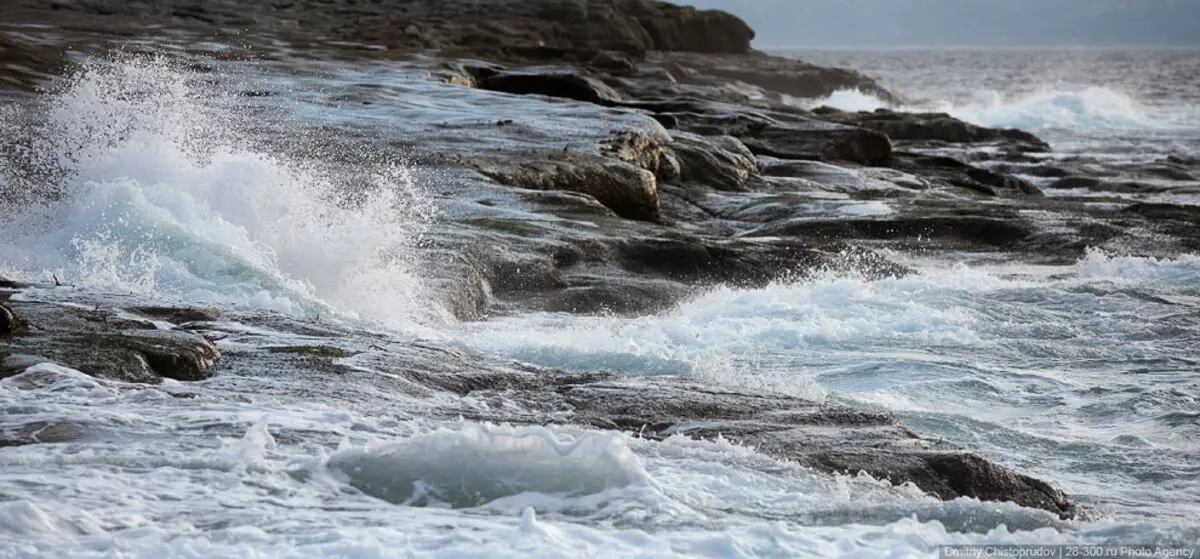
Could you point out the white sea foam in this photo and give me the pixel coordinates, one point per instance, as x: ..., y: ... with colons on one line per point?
x: 1085, y: 110
x: 143, y: 182
x: 476, y: 465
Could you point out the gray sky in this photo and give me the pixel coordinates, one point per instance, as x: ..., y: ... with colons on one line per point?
x: 847, y: 23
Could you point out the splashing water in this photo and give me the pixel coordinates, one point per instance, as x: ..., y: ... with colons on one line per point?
x: 136, y: 176
x: 1093, y: 108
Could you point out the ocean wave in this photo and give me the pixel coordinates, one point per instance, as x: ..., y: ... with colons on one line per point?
x: 1081, y: 110
x: 478, y: 464
x: 134, y: 177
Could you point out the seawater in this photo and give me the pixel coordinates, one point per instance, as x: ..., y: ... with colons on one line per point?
x: 1083, y: 374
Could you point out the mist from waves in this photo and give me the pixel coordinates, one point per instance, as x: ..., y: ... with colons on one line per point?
x: 138, y: 175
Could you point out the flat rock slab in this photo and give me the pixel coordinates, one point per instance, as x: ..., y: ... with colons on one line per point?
x: 91, y: 342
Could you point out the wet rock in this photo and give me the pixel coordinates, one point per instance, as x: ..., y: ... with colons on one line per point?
x: 934, y: 126
x: 685, y: 74
x: 11, y: 322
x: 913, y: 231
x: 24, y: 65
x: 630, y: 191
x: 86, y: 341
x: 1074, y: 182
x: 42, y: 432
x: 825, y: 437
x: 1182, y: 160
x: 554, y: 84
x: 133, y: 356
x: 179, y: 315
x: 176, y: 355
x: 616, y: 295
x: 721, y: 162
x: 815, y: 140
x: 948, y: 171
x: 1108, y: 185
x: 614, y: 64
x: 1167, y: 171
x: 6, y: 283
x: 644, y: 148
x: 950, y: 475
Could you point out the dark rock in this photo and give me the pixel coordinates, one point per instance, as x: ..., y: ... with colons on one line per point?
x: 1182, y: 160
x: 176, y: 355
x: 90, y: 342
x: 949, y: 171
x: 6, y: 283
x: 705, y: 75
x: 614, y: 64
x: 133, y: 356
x: 558, y: 84
x: 934, y: 126
x: 179, y: 315
x: 1168, y: 171
x: 630, y: 191
x: 950, y: 475
x: 1166, y: 212
x: 721, y: 162
x: 827, y: 438
x: 820, y: 141
x: 954, y: 231
x: 1106, y: 185
x: 643, y: 148
x: 42, y: 432
x: 24, y: 65
x: 616, y: 295
x: 11, y: 322
x: 1074, y: 182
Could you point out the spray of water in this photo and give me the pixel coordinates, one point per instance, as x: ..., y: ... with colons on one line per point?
x: 136, y: 175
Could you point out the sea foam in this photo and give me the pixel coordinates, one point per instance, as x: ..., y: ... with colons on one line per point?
x: 136, y: 176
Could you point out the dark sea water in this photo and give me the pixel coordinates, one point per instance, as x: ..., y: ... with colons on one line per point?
x: 1086, y: 375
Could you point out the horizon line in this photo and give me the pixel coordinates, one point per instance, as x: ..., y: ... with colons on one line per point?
x: 983, y: 47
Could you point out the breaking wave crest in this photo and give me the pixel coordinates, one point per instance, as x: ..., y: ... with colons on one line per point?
x: 1093, y: 109
x: 138, y: 176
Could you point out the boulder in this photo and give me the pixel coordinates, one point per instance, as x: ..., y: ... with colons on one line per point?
x: 933, y: 126
x: 563, y: 84
x: 720, y: 162
x: 820, y: 141
x: 628, y: 190
x: 827, y: 438
x: 951, y: 172
x: 11, y: 322
x: 100, y: 344
x: 775, y: 76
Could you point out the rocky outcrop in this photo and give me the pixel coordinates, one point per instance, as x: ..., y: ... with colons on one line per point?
x: 776, y: 77
x: 498, y: 28
x: 24, y: 64
x: 100, y: 344
x: 627, y: 190
x: 820, y: 141
x: 563, y: 84
x: 720, y: 162
x: 11, y: 322
x: 952, y: 172
x: 933, y: 127
x: 826, y: 438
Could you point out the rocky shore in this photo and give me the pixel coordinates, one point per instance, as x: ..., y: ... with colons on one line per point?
x: 702, y: 165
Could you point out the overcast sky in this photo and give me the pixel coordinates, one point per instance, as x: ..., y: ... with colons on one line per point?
x: 848, y: 23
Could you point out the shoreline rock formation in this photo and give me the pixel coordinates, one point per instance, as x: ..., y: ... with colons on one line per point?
x: 700, y: 167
